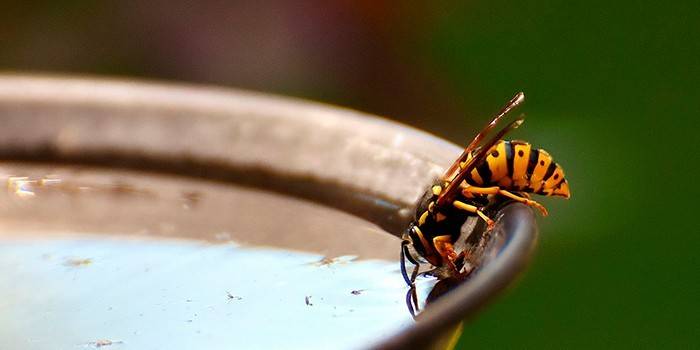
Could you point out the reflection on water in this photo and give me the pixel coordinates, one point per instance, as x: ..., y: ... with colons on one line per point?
x: 157, y: 294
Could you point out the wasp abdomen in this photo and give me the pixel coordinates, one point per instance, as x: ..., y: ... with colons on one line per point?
x: 517, y: 166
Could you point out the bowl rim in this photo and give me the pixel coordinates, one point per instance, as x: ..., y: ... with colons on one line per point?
x: 381, y: 151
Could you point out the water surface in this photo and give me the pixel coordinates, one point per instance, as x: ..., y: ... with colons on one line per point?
x: 156, y: 294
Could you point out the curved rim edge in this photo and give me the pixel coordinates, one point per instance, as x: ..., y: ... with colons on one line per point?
x: 517, y: 220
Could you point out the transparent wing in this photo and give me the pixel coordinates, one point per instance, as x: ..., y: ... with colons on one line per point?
x: 514, y: 102
x: 449, y: 193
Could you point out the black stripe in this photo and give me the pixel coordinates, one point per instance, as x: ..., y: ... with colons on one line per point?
x: 510, y: 155
x: 484, y: 172
x: 558, y: 184
x: 532, y: 163
x: 561, y: 179
x: 550, y: 171
x: 561, y: 183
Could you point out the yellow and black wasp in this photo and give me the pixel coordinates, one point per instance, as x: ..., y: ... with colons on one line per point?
x: 482, y: 176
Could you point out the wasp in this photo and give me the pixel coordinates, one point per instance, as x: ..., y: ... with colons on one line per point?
x: 483, y: 175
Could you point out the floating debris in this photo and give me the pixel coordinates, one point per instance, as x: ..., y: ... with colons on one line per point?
x: 76, y: 262
x: 233, y: 297
x: 326, y: 261
x: 104, y: 342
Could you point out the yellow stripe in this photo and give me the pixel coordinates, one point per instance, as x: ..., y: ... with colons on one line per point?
x: 563, y: 190
x: 477, y: 178
x: 428, y: 247
x: 475, y: 175
x: 540, y: 169
x: 422, y: 218
x: 520, y: 179
x: 556, y: 178
x: 498, y: 163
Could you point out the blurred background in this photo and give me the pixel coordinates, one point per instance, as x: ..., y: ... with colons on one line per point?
x: 612, y: 93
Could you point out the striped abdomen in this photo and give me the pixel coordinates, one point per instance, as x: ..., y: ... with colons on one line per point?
x: 516, y: 166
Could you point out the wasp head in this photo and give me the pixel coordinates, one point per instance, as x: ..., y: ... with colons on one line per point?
x: 428, y: 200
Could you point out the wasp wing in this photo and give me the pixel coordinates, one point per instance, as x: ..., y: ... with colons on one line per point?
x: 447, y: 195
x: 514, y: 102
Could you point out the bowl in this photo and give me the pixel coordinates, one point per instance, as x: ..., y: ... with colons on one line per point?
x: 149, y: 215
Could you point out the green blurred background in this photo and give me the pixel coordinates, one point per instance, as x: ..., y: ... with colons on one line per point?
x: 612, y: 92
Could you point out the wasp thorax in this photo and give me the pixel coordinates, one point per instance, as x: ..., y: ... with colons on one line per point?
x: 427, y: 201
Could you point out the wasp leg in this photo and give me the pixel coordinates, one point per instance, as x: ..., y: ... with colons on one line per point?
x: 405, y: 255
x: 466, y: 263
x: 414, y: 294
x: 498, y: 190
x: 411, y: 295
x: 473, y: 209
x: 411, y: 299
x: 444, y: 247
x: 431, y: 273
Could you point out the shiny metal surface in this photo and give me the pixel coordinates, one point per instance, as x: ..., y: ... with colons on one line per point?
x: 360, y: 164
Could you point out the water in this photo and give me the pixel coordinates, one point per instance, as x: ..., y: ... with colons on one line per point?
x: 98, y: 258
x: 137, y: 294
